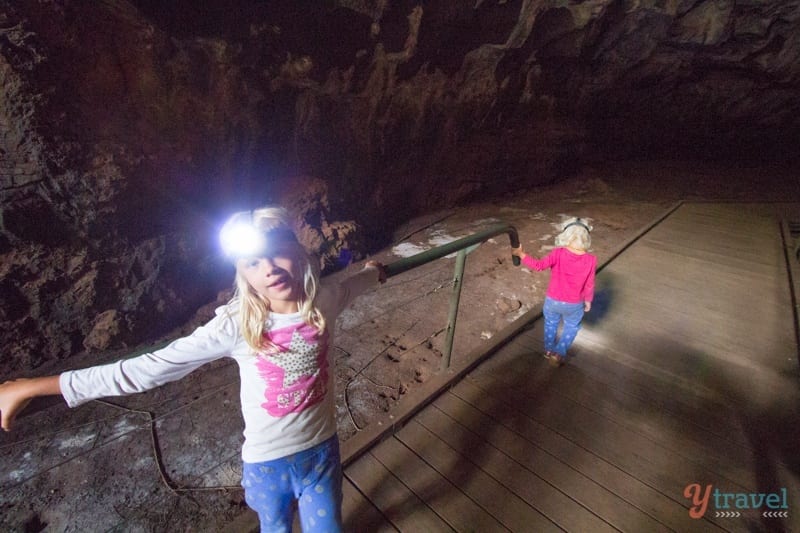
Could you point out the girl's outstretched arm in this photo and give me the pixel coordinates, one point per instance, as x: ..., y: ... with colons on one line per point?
x: 15, y: 395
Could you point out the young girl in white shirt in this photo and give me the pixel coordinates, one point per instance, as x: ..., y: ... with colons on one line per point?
x: 278, y: 327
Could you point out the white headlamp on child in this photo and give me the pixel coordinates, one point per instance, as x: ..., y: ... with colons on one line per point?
x: 240, y: 239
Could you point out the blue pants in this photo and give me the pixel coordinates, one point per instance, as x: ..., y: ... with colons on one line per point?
x: 554, y: 312
x: 312, y: 478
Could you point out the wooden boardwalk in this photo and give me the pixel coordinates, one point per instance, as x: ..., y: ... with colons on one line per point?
x: 686, y: 372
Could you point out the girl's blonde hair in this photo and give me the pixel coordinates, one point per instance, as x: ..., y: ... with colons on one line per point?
x: 253, y: 308
x: 575, y: 233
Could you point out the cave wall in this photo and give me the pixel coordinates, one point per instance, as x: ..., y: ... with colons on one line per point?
x: 128, y: 129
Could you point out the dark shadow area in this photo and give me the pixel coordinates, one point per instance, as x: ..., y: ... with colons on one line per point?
x: 603, y: 300
x: 772, y: 432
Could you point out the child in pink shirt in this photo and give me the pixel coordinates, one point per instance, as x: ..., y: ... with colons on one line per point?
x: 571, y: 289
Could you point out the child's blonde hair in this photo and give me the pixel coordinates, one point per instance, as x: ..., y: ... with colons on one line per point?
x: 254, y: 308
x: 575, y: 233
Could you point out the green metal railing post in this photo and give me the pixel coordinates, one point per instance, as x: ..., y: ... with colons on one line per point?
x: 460, y: 246
x: 458, y: 277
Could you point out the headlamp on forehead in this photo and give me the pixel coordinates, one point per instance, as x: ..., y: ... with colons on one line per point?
x: 263, y: 232
x: 240, y: 240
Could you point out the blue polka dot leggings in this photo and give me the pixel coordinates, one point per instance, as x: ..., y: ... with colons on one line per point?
x: 554, y: 312
x: 312, y: 478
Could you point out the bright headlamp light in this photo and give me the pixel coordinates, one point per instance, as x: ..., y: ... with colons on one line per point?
x: 242, y: 240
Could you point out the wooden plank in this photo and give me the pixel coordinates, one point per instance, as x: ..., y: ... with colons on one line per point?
x: 644, y: 417
x: 754, y: 351
x: 576, y: 504
x: 714, y: 233
x: 642, y: 421
x: 705, y: 410
x: 729, y: 260
x: 615, y: 360
x: 359, y: 513
x: 651, y: 259
x: 707, y: 303
x: 694, y: 387
x: 709, y: 319
x: 401, y: 507
x: 514, y: 510
x: 709, y: 313
x: 754, y: 356
x: 453, y: 506
x: 656, y: 268
x: 694, y: 398
x: 646, y: 459
x: 768, y: 432
x: 479, y: 409
x: 640, y: 273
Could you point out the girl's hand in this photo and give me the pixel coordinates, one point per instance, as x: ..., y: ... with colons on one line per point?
x: 381, y: 270
x: 13, y: 399
x: 16, y: 394
x: 518, y: 252
x: 587, y: 306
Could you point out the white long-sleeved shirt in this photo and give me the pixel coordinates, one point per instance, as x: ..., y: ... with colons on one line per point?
x: 287, y: 397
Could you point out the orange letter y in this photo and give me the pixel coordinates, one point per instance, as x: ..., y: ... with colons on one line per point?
x: 699, y: 504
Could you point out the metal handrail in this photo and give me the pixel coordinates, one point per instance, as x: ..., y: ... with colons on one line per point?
x: 460, y: 246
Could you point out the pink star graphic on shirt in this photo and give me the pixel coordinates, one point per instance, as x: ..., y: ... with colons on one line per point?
x: 296, y: 377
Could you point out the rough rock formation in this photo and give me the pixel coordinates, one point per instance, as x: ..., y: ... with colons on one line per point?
x: 129, y: 128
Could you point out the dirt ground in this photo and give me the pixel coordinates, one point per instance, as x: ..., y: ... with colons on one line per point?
x: 168, y: 460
